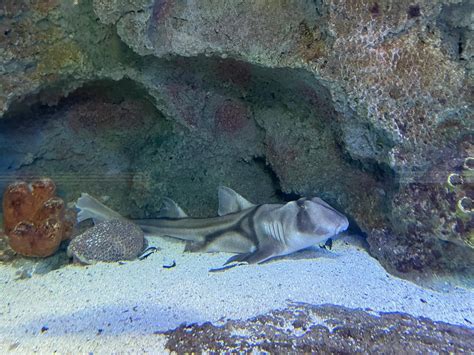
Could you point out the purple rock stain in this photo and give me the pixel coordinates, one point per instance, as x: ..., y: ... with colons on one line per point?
x: 183, y: 99
x: 161, y: 8
x: 231, y: 116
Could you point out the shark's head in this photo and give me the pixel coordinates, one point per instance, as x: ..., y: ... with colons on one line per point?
x: 316, y: 216
x: 311, y: 220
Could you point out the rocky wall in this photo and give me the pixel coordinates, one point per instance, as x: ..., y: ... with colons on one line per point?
x: 366, y: 104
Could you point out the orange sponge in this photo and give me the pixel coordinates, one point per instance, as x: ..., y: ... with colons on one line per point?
x: 34, y: 219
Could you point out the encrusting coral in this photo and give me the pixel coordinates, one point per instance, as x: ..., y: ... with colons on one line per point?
x: 35, y: 220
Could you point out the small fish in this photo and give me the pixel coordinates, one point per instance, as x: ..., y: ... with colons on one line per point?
x: 327, y: 245
x: 170, y: 266
x: 256, y: 233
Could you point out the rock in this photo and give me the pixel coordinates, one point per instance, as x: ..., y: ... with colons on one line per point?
x: 323, y: 329
x: 27, y: 267
x: 366, y: 105
x: 6, y: 253
x: 108, y: 241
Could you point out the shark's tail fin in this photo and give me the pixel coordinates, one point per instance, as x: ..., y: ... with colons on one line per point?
x: 89, y: 207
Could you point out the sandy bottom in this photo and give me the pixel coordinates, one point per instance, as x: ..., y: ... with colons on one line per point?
x: 122, y: 307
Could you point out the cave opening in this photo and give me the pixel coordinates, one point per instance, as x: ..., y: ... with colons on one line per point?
x: 273, y: 135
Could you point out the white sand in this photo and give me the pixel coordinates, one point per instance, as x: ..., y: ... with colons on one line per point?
x: 132, y: 301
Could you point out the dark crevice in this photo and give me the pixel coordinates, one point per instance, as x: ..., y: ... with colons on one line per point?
x: 291, y: 99
x: 60, y: 138
x: 279, y: 194
x: 461, y: 42
x: 452, y: 23
x: 266, y: 167
x: 52, y: 100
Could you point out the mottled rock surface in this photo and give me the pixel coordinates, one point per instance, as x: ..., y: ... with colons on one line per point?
x: 108, y: 241
x: 324, y: 329
x: 368, y: 105
x: 6, y: 253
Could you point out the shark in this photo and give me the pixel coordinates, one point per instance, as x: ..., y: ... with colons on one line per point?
x: 254, y: 233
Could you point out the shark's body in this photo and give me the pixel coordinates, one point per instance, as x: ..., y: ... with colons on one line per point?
x: 255, y: 232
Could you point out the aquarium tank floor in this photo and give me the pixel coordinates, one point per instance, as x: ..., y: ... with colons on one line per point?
x: 289, y: 304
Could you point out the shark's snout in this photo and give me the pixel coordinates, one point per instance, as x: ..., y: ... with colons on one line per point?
x: 342, y: 226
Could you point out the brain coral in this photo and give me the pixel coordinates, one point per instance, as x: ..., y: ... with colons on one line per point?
x: 35, y: 220
x: 109, y: 241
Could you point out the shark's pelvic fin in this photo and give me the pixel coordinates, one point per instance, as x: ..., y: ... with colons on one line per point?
x: 89, y: 207
x: 231, y: 202
x: 193, y: 246
x: 170, y: 209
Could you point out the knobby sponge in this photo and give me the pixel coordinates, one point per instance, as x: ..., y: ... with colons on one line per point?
x: 35, y: 220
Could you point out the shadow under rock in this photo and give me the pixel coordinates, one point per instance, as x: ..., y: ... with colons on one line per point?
x: 143, y: 318
x: 322, y: 251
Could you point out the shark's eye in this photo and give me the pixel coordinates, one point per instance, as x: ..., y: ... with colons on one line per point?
x: 301, y: 204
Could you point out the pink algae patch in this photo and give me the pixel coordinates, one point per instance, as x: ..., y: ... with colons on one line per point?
x: 183, y: 101
x: 319, y: 102
x: 231, y: 116
x: 282, y: 157
x: 161, y: 9
x: 96, y: 117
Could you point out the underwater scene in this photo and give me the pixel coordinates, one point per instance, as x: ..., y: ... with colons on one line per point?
x: 259, y: 176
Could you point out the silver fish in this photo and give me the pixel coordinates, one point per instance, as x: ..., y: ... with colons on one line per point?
x: 255, y: 232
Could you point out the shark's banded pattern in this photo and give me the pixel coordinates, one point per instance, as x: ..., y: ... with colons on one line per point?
x: 256, y: 232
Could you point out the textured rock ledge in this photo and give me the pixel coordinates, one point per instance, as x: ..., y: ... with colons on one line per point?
x: 324, y: 329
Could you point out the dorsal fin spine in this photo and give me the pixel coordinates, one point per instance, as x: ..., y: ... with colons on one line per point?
x: 231, y: 202
x: 170, y: 209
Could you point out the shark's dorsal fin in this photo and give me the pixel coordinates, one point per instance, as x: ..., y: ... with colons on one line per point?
x: 90, y: 207
x: 231, y: 202
x: 170, y: 209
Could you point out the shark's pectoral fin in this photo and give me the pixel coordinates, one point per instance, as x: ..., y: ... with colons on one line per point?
x: 256, y: 257
x: 231, y: 202
x: 170, y: 209
x: 237, y: 258
x: 260, y: 256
